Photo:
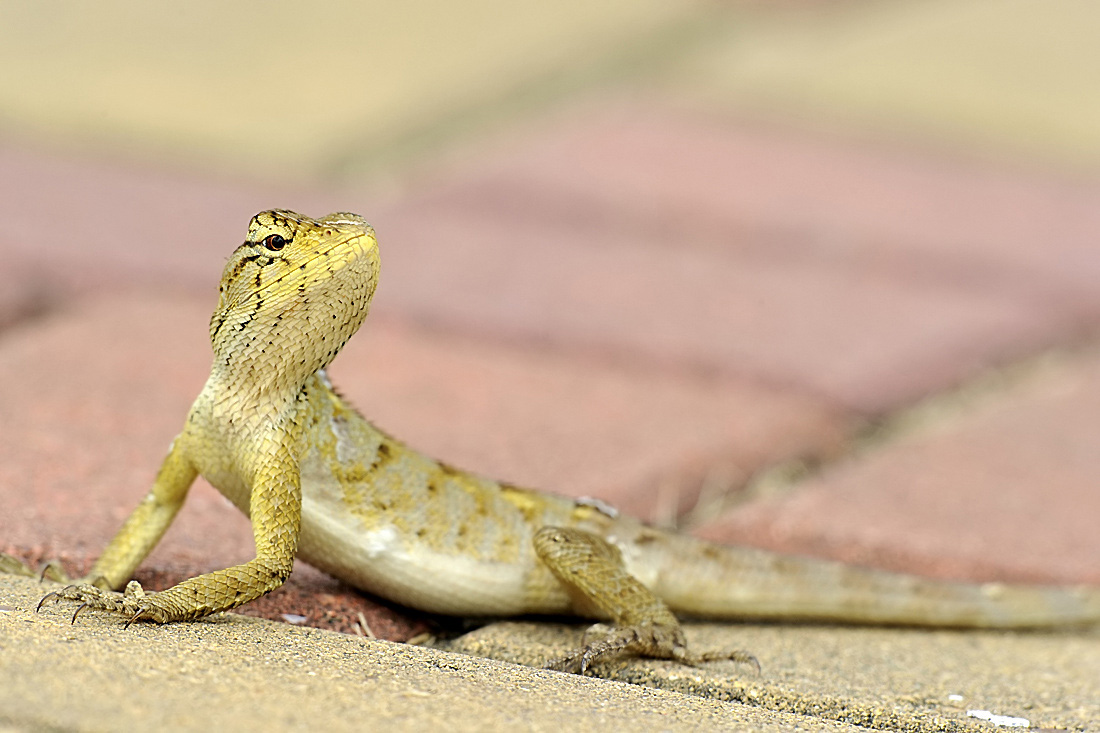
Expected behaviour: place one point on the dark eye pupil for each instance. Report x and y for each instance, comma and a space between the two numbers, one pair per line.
274, 242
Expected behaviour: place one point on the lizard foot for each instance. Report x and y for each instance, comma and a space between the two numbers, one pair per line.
52, 570
659, 641
133, 603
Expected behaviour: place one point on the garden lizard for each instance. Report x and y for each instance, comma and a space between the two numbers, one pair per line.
321, 483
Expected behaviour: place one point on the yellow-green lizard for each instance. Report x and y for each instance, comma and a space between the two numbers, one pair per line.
321, 483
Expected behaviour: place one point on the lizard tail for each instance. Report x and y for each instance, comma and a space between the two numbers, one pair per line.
698, 578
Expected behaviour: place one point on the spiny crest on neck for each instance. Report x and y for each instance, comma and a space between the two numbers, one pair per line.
293, 293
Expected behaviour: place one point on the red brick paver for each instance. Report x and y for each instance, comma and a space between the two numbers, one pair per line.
94, 225
1005, 489
690, 172
871, 276
24, 292
859, 336
868, 277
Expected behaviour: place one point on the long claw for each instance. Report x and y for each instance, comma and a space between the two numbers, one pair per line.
52, 595
76, 613
133, 618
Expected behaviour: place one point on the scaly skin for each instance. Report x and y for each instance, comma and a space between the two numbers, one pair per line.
321, 483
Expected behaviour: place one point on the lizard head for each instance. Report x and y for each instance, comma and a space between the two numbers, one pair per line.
292, 295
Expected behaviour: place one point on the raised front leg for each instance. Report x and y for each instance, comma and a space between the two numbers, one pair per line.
276, 511
593, 569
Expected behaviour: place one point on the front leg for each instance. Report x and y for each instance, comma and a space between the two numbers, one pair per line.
276, 512
593, 569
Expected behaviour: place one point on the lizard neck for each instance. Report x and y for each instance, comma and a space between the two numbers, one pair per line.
251, 390
244, 413
290, 298
291, 295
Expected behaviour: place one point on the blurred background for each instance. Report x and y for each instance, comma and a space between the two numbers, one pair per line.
345, 90
677, 255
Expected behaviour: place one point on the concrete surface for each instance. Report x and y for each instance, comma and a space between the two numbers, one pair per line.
854, 319
235, 673
253, 675
988, 76
879, 678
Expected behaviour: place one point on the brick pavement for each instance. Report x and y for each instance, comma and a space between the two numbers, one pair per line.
677, 331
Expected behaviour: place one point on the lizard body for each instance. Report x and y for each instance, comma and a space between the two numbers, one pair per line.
322, 483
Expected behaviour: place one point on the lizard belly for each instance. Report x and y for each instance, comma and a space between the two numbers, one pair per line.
385, 561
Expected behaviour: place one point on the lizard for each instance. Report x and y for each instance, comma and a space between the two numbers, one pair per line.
321, 483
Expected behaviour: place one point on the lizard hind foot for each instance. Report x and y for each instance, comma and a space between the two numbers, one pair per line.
657, 641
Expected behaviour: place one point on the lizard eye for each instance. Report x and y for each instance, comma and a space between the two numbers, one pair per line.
274, 242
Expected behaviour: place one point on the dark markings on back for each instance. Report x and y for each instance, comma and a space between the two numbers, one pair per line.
384, 456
